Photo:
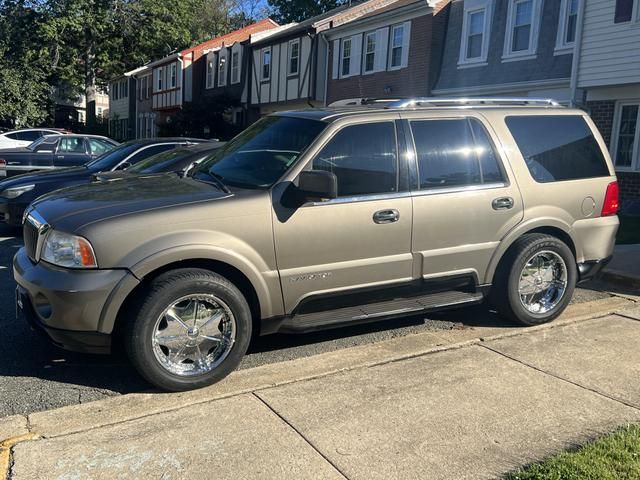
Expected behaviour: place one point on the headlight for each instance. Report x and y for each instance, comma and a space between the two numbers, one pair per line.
15, 192
68, 251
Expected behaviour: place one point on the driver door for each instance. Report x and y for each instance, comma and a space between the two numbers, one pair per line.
360, 239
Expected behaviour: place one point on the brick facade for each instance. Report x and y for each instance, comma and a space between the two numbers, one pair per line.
407, 82
602, 113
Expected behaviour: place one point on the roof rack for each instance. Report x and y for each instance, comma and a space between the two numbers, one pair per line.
354, 102
446, 102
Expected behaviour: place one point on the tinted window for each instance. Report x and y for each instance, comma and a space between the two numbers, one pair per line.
30, 136
454, 153
260, 155
363, 158
12, 136
558, 148
150, 151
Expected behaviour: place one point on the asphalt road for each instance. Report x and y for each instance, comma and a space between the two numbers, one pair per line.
35, 376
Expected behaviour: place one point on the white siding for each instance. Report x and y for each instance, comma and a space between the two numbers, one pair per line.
610, 52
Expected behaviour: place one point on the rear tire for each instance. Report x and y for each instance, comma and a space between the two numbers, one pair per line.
535, 280
192, 329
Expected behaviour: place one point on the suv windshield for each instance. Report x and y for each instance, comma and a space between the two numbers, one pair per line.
113, 157
261, 154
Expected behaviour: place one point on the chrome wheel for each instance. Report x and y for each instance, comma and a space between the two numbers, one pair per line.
194, 335
543, 282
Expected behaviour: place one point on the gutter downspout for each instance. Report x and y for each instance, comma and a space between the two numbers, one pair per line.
326, 68
575, 64
314, 68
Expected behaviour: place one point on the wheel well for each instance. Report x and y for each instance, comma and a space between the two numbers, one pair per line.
551, 231
231, 273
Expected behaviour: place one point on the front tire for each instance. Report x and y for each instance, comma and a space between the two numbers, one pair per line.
192, 329
535, 281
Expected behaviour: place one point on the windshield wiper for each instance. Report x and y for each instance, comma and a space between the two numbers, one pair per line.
213, 177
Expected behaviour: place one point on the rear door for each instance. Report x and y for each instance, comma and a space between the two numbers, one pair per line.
71, 151
465, 198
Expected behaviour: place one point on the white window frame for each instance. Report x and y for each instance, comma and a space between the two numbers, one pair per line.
263, 64
343, 58
160, 79
222, 68
615, 136
391, 45
290, 57
562, 46
365, 51
210, 72
235, 67
173, 76
534, 32
471, 7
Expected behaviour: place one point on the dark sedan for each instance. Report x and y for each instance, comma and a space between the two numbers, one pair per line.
17, 193
53, 151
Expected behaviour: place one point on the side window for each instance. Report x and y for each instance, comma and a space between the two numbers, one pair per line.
71, 145
454, 153
12, 136
148, 152
30, 136
364, 158
558, 147
98, 147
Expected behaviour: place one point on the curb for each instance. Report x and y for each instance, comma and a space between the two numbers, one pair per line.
117, 410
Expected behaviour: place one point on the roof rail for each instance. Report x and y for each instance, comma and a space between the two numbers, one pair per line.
457, 101
354, 102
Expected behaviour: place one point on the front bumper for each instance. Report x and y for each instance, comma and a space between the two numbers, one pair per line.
11, 211
66, 304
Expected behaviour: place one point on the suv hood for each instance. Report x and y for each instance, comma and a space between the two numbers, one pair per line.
71, 208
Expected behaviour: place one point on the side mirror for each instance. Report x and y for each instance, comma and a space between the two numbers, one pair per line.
318, 185
123, 166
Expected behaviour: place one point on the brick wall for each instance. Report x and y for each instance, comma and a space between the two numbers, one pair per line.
629, 185
602, 114
411, 81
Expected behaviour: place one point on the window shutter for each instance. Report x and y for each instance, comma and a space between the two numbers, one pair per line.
382, 45
356, 55
406, 41
336, 59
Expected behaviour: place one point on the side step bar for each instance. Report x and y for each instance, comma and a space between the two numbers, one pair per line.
309, 322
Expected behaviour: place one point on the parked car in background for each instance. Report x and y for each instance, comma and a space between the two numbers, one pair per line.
53, 151
16, 193
178, 160
26, 136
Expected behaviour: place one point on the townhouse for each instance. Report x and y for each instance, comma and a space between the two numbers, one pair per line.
509, 47
392, 51
122, 107
606, 82
292, 67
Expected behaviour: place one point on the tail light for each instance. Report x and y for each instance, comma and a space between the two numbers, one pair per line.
3, 167
611, 200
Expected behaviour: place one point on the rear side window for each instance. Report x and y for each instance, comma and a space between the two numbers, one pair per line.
454, 153
558, 148
30, 135
150, 151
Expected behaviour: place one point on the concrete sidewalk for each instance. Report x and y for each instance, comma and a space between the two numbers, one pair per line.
410, 408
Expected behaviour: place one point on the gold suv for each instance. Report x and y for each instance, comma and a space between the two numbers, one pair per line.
323, 218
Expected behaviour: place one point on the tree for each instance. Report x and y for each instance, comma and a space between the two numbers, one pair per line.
287, 11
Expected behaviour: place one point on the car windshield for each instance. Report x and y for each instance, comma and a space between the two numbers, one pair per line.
261, 154
161, 162
113, 157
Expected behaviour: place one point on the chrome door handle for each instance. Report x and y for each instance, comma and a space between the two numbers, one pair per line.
60, 157
504, 203
386, 216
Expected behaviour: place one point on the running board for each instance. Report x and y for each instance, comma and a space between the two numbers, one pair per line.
309, 322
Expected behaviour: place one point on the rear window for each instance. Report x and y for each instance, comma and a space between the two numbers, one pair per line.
557, 148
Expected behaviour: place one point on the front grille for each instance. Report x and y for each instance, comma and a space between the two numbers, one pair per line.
30, 235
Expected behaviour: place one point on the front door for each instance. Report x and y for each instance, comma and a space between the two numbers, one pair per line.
362, 238
465, 200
